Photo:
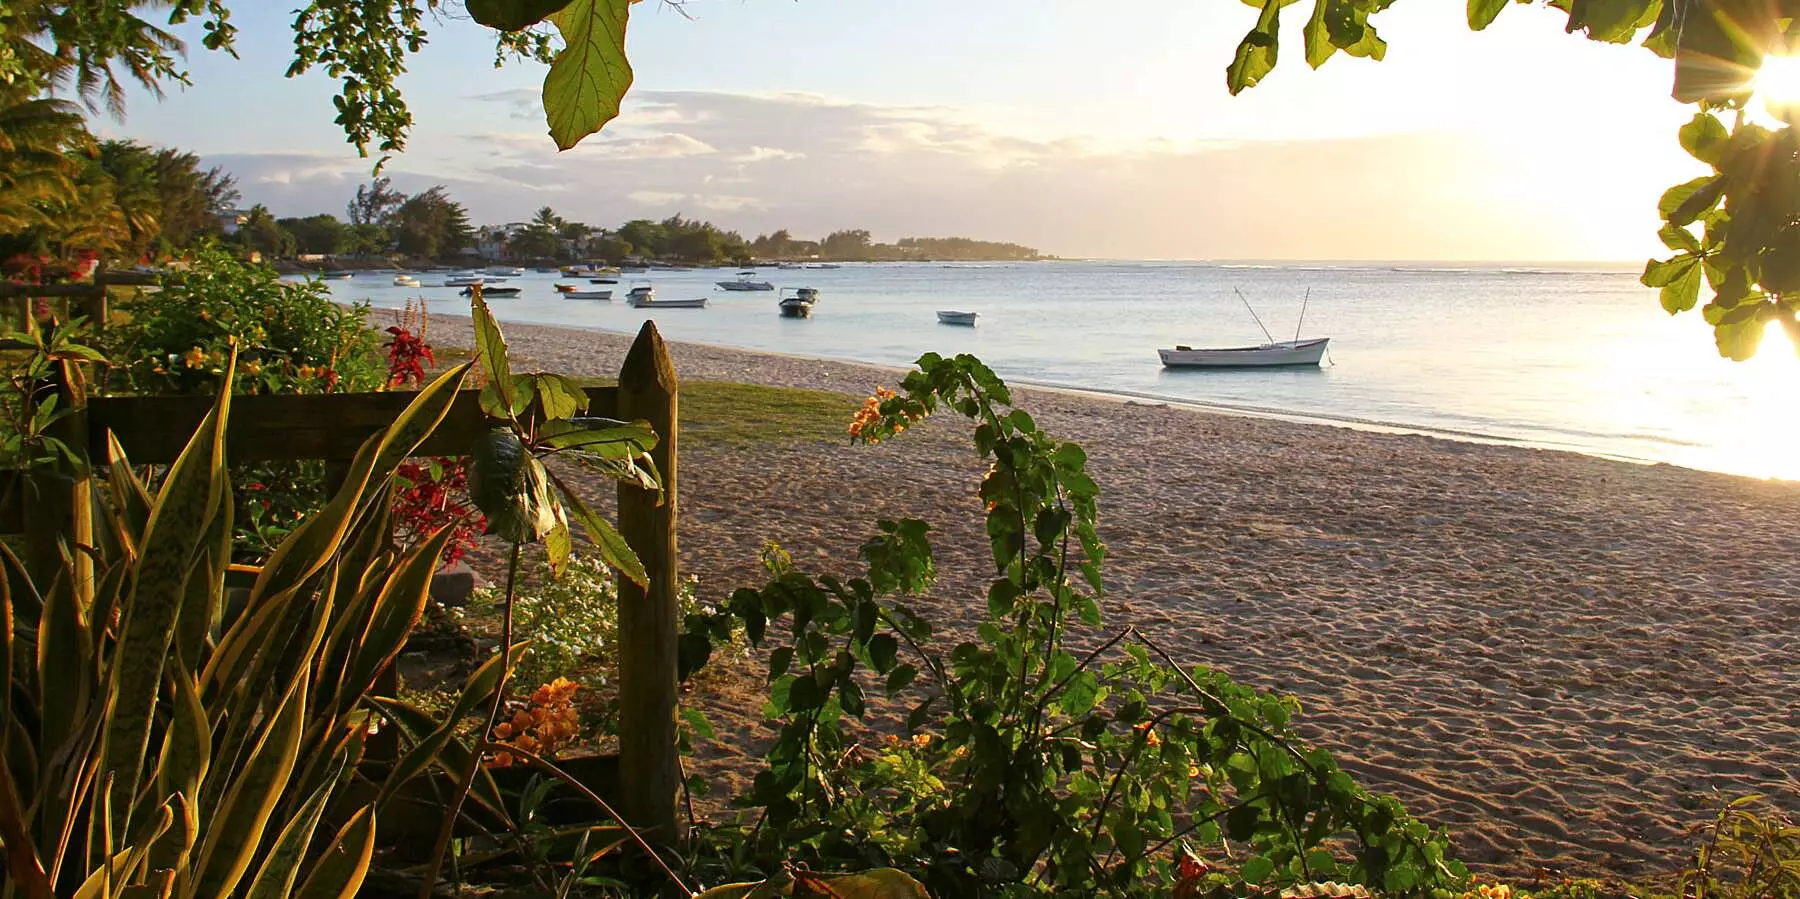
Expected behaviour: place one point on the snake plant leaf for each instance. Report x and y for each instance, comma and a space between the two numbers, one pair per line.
187, 742
110, 879
339, 873
431, 737
179, 518
590, 75
510, 486
275, 877
172, 849
240, 647
234, 834
64, 650
397, 610
307, 549
24, 859
130, 498
513, 15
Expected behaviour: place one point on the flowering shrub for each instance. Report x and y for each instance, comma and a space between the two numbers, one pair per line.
543, 725
408, 353
431, 494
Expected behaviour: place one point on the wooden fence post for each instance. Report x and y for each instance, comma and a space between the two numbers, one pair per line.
649, 770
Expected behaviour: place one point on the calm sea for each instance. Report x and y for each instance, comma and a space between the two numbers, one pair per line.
1565, 357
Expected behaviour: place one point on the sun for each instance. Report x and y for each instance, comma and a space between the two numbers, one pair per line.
1777, 83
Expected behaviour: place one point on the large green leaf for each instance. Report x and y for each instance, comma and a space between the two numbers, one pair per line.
1256, 54
614, 550
1483, 12
590, 75
510, 486
1319, 47
180, 518
513, 15
233, 836
562, 397
338, 874
276, 875
1613, 21
64, 648
1705, 138
490, 354
397, 610
600, 437
187, 743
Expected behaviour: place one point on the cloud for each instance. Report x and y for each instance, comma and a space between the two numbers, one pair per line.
756, 163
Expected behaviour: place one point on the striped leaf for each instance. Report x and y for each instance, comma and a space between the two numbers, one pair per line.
233, 835
178, 520
63, 652
338, 874
121, 867
276, 876
130, 498
431, 737
397, 610
187, 743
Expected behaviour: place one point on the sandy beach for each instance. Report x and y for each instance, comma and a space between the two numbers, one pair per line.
1564, 660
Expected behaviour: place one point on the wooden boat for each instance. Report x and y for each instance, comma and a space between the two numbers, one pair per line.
951, 317
492, 291
798, 303
405, 281
743, 282
1268, 355
1281, 352
587, 294
565, 288
643, 296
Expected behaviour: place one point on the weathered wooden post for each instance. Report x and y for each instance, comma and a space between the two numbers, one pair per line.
649, 770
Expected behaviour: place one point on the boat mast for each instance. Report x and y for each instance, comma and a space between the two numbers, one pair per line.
1302, 320
1259, 324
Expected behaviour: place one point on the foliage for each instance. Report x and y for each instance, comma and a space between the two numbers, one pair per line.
260, 233
170, 736
1748, 249
29, 405
433, 494
1752, 850
1035, 767
430, 225
317, 234
168, 202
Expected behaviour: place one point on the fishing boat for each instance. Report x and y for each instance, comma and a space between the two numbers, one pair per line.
797, 302
952, 317
643, 296
743, 282
492, 291
1268, 355
405, 281
587, 294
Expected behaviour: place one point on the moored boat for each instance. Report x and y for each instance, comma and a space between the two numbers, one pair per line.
1280, 352
798, 303
587, 294
489, 291
463, 280
743, 282
643, 296
405, 281
952, 317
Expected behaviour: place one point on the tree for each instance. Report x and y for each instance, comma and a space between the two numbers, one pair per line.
846, 244
375, 203
644, 236
318, 234
260, 232
36, 135
363, 241
1748, 248
431, 225
132, 168
609, 245
193, 200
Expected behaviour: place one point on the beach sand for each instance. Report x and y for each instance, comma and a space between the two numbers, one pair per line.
1564, 660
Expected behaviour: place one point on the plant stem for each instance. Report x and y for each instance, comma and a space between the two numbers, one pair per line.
493, 717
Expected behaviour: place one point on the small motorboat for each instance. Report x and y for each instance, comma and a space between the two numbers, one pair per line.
587, 294
643, 296
492, 291
952, 317
565, 288
463, 280
405, 281
337, 275
743, 282
1267, 355
1280, 352
797, 302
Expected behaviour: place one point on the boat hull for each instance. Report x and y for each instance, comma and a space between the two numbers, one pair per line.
745, 285
669, 304
796, 310
587, 294
966, 319
1285, 353
493, 291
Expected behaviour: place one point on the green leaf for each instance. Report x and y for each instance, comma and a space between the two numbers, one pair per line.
883, 650
1079, 696
1705, 138
338, 874
1612, 21
490, 353
558, 547
513, 15
275, 878
1680, 239
1255, 56
611, 441
250, 798
1679, 279
614, 550
1683, 203
1483, 12
562, 397
511, 488
1257, 869
590, 75
1319, 47
899, 678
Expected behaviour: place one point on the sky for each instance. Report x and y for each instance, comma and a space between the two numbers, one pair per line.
1044, 122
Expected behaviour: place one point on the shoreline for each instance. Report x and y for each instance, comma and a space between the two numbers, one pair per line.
1560, 658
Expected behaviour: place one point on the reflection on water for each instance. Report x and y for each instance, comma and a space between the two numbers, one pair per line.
1575, 358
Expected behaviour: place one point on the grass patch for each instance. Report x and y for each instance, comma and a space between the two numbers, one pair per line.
725, 414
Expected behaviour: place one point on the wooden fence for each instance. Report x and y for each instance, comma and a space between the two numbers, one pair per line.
332, 427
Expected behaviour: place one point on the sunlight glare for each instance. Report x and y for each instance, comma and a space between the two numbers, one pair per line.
1759, 430
1777, 83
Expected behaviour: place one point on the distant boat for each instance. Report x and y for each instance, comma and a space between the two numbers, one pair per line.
545, 271
463, 280
505, 271
799, 303
492, 291
643, 296
743, 282
790, 265
1268, 355
337, 275
565, 288
405, 281
587, 294
603, 280
586, 270
950, 317
824, 265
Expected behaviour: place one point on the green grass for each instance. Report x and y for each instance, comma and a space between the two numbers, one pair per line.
725, 414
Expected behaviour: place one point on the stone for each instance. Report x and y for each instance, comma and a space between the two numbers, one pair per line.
453, 584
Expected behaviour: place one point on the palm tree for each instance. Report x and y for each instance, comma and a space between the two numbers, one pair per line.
136, 193
36, 171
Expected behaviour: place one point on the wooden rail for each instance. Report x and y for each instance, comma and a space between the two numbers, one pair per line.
56, 515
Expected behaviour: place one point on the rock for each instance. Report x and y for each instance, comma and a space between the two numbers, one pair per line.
453, 583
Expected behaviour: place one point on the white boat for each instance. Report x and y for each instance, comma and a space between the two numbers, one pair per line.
505, 271
1267, 355
951, 317
743, 282
643, 296
463, 280
640, 292
587, 294
405, 281
797, 302
1281, 352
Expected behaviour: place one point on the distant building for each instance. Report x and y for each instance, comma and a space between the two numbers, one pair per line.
491, 240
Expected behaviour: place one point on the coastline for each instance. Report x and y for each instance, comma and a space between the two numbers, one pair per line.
1562, 658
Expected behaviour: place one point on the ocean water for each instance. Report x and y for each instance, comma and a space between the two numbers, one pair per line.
1566, 357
